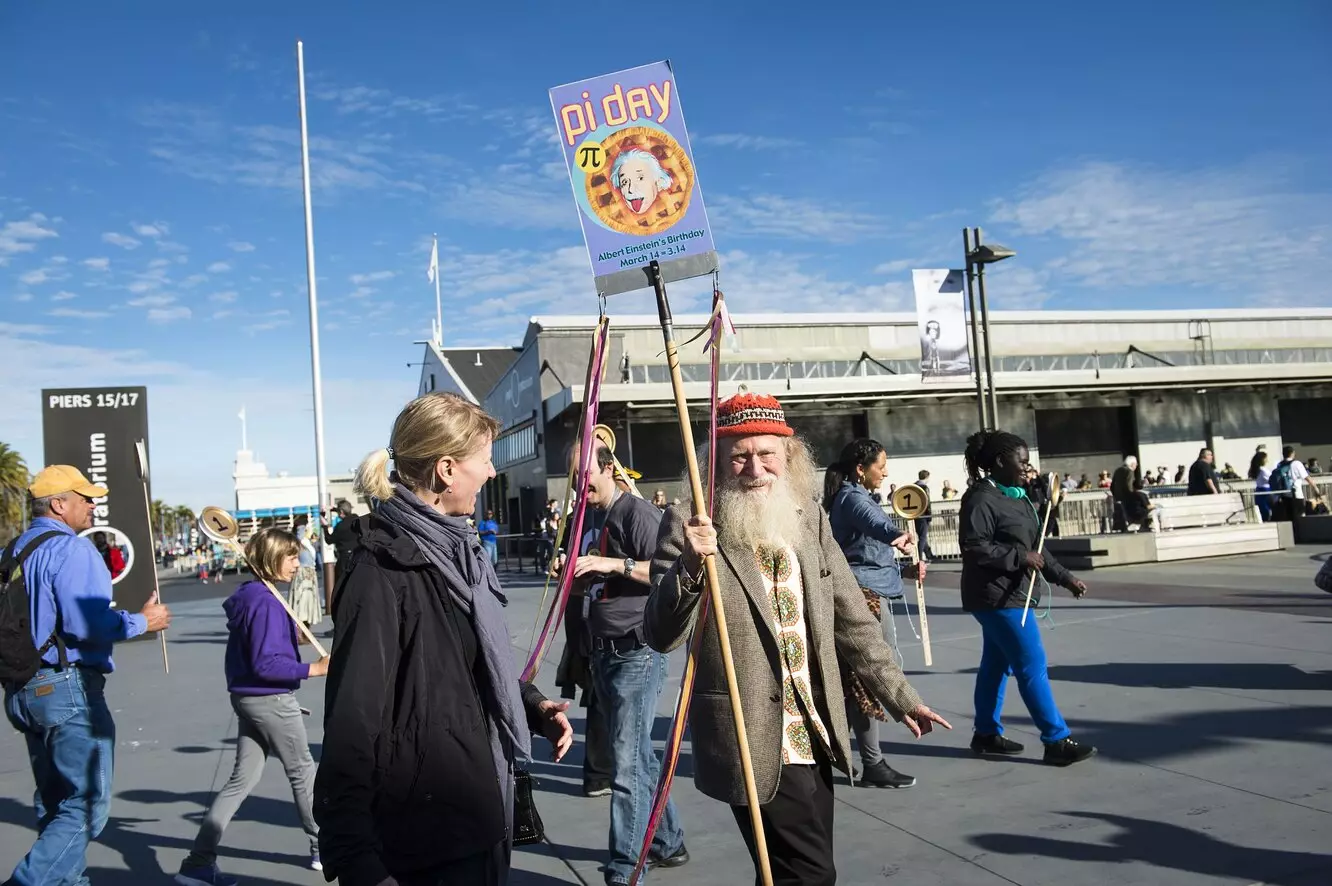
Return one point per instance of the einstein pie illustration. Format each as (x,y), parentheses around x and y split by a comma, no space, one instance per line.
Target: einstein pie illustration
(644,184)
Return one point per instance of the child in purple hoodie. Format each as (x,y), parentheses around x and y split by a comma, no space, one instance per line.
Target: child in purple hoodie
(263,667)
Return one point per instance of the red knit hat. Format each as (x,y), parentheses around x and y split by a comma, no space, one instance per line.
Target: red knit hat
(748,414)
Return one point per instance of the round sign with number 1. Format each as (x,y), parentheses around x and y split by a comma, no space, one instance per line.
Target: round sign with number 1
(910,501)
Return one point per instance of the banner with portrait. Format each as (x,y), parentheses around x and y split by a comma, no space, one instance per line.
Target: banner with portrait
(942,320)
(634,180)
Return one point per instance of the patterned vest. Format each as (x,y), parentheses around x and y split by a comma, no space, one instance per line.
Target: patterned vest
(785,592)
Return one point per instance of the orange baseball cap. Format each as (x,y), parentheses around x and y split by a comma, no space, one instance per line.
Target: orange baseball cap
(59,479)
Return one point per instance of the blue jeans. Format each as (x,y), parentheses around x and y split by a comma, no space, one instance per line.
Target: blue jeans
(492,548)
(71,743)
(1012,648)
(627,686)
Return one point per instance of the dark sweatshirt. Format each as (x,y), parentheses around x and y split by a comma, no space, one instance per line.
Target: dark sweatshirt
(262,655)
(995,533)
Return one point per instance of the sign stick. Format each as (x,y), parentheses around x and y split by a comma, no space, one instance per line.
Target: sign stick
(700,507)
(1040,545)
(909,502)
(141,455)
(221,527)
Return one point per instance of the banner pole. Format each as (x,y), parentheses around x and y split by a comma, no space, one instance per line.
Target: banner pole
(975,335)
(710,566)
(321,472)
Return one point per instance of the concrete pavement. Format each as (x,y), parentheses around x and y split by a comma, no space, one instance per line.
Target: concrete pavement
(1207,686)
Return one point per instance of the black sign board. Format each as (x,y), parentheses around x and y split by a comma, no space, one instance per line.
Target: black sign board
(95,430)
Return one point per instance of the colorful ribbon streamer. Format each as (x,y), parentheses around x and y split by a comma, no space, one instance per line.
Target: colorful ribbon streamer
(591,404)
(720,325)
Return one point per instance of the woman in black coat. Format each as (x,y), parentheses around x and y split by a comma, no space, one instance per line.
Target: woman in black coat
(999,531)
(425,717)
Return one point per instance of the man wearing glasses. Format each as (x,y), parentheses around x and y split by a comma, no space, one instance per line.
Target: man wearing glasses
(61,710)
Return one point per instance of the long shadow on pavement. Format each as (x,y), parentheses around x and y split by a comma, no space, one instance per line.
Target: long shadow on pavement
(1192,733)
(1169,846)
(1195,675)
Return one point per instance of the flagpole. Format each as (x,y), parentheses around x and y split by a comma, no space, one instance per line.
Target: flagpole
(439,305)
(321,473)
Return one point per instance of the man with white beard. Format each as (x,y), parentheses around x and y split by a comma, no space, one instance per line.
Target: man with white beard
(792,607)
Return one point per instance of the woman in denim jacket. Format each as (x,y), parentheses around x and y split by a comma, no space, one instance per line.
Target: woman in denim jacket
(870,542)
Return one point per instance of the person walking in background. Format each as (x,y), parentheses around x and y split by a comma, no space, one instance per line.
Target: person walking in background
(1180,474)
(303,593)
(870,542)
(488,529)
(1260,473)
(949,493)
(1039,491)
(1203,479)
(114,559)
(337,531)
(61,708)
(659,499)
(424,715)
(263,669)
(1121,490)
(923,521)
(999,531)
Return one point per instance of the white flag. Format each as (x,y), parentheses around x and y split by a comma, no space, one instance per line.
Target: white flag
(434,262)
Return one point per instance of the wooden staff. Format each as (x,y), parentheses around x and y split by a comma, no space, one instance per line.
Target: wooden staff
(909,501)
(141,455)
(221,527)
(1053,482)
(710,568)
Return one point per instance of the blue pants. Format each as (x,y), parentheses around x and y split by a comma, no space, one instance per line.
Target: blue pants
(1011,648)
(71,743)
(492,548)
(627,685)
(1264,502)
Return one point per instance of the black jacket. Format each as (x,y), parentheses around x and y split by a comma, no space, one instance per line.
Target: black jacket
(342,537)
(995,533)
(406,780)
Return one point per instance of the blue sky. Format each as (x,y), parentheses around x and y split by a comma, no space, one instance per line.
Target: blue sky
(151,232)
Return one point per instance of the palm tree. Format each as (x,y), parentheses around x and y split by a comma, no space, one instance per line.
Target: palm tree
(184,518)
(14,480)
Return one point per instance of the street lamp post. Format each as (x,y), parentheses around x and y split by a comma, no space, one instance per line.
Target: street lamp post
(975,332)
(980,256)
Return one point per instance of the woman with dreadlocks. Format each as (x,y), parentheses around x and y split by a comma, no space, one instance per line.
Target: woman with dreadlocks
(870,542)
(999,531)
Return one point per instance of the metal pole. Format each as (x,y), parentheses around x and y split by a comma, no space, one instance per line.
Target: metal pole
(975,334)
(321,473)
(985,333)
(439,305)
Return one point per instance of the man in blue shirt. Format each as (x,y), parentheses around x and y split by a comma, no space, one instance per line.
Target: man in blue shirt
(488,529)
(62,711)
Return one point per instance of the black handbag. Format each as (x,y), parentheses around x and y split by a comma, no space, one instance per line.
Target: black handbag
(527,826)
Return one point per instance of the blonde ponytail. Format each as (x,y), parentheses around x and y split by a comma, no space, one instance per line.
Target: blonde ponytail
(372,477)
(434,426)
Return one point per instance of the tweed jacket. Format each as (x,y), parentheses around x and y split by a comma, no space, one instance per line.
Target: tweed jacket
(838,623)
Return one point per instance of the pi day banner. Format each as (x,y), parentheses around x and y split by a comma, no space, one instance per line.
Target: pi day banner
(633,177)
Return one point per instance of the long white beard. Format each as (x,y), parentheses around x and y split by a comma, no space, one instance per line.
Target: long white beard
(753,518)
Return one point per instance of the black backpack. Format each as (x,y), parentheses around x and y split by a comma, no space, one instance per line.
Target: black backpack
(19,656)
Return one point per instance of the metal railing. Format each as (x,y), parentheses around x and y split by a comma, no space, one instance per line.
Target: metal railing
(1090,512)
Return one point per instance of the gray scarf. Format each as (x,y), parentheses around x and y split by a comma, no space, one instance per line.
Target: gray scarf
(454,548)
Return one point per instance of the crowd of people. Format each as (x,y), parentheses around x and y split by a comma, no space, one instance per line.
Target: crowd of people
(427,724)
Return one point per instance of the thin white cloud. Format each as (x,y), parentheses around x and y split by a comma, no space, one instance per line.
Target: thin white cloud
(159,263)
(168,315)
(97,264)
(122,240)
(362,292)
(34,277)
(23,236)
(63,295)
(152,301)
(219,267)
(223,297)
(155,230)
(78,314)
(241,246)
(743,142)
(372,277)
(23,296)
(773,215)
(895,267)
(1244,228)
